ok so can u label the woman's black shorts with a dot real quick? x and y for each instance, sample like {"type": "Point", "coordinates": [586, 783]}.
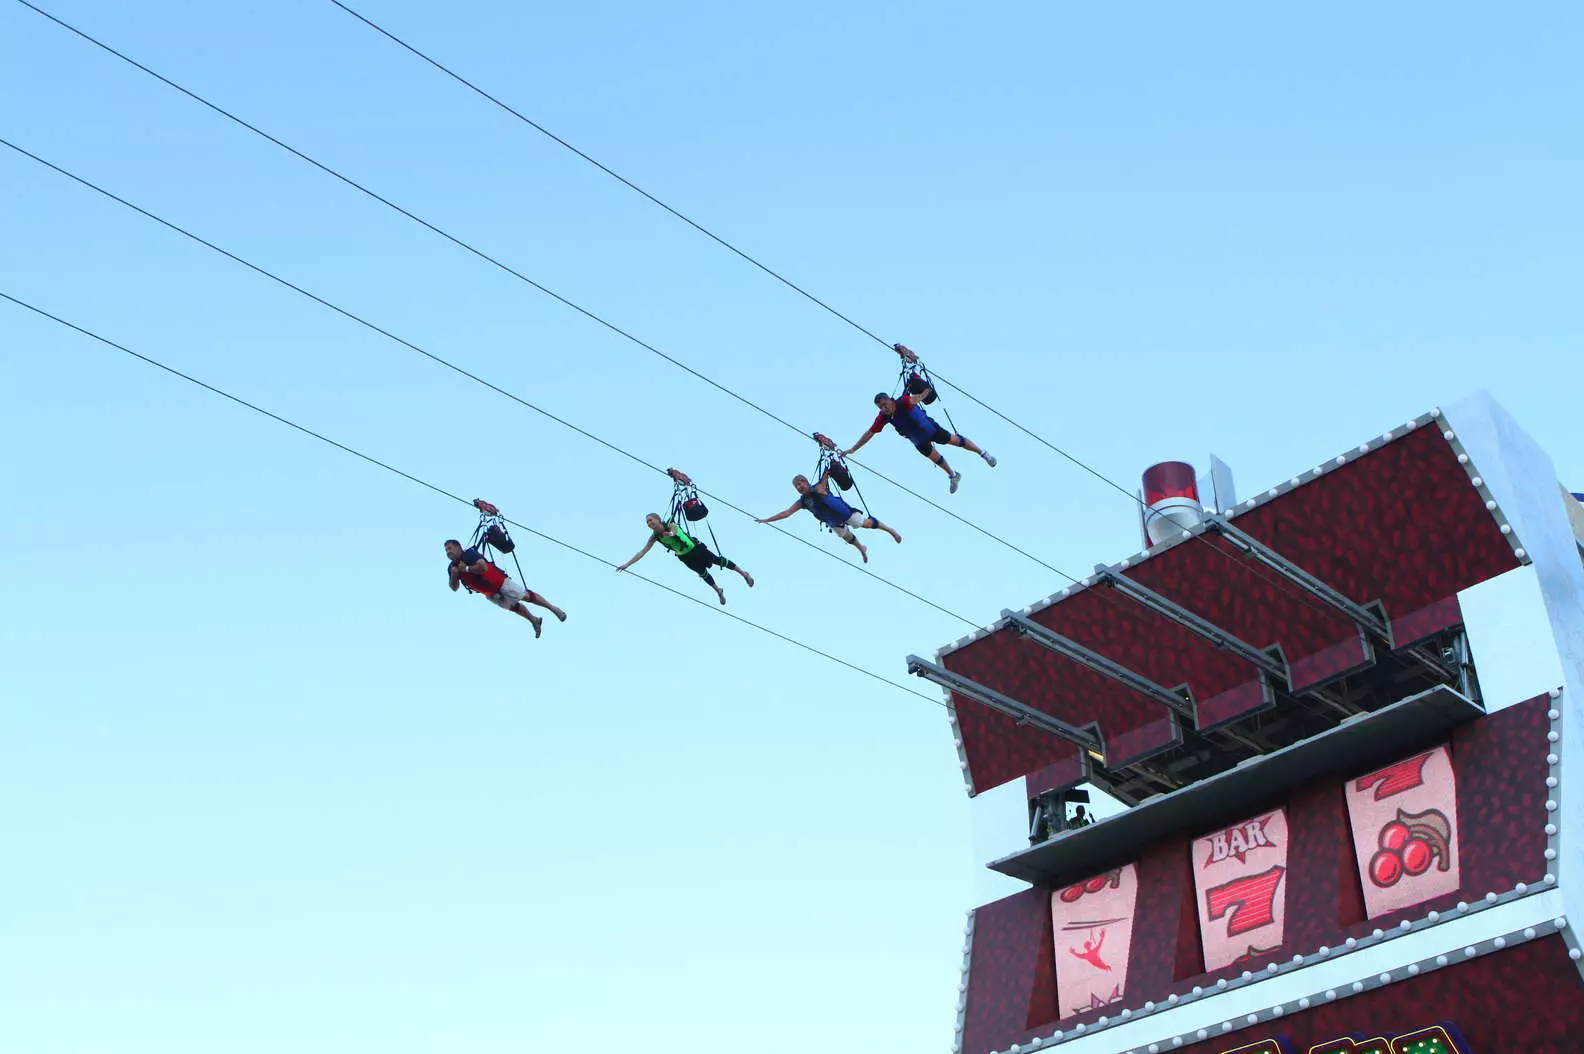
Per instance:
{"type": "Point", "coordinates": [700, 559]}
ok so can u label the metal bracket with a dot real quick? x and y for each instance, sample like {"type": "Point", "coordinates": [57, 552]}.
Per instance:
{"type": "Point", "coordinates": [1202, 627]}
{"type": "Point", "coordinates": [1005, 704]}
{"type": "Point", "coordinates": [1024, 627]}
{"type": "Point", "coordinates": [1364, 618]}
{"type": "Point", "coordinates": [1218, 637]}
{"type": "Point", "coordinates": [1334, 599]}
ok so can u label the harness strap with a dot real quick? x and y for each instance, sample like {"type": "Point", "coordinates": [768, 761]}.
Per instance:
{"type": "Point", "coordinates": [917, 366]}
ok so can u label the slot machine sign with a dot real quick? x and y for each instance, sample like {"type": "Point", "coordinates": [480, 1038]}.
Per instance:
{"type": "Point", "coordinates": [1239, 875]}
{"type": "Point", "coordinates": [1405, 831]}
{"type": "Point", "coordinates": [1093, 925]}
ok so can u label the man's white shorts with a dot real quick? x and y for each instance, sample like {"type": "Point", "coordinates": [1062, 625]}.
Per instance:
{"type": "Point", "coordinates": [508, 595]}
{"type": "Point", "coordinates": [856, 519]}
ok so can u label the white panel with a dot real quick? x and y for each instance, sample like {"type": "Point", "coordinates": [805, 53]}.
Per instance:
{"type": "Point", "coordinates": [1523, 483]}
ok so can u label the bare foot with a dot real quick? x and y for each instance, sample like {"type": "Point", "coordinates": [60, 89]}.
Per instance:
{"type": "Point", "coordinates": [748, 578]}
{"type": "Point", "coordinates": [722, 594]}
{"type": "Point", "coordinates": [538, 624]}
{"type": "Point", "coordinates": [863, 553]}
{"type": "Point", "coordinates": [894, 534]}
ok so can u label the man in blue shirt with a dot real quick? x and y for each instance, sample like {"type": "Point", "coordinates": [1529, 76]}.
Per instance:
{"type": "Point", "coordinates": [832, 511]}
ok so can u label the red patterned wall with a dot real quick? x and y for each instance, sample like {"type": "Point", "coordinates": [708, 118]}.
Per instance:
{"type": "Point", "coordinates": [1501, 793]}
{"type": "Point", "coordinates": [1401, 525]}
{"type": "Point", "coordinates": [1523, 999]}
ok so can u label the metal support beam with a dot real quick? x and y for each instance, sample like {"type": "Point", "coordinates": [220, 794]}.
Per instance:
{"type": "Point", "coordinates": [1220, 638]}
{"type": "Point", "coordinates": [1022, 713]}
{"type": "Point", "coordinates": [1361, 616]}
{"type": "Point", "coordinates": [1317, 587]}
{"type": "Point", "coordinates": [1215, 635]}
{"type": "Point", "coordinates": [1024, 627]}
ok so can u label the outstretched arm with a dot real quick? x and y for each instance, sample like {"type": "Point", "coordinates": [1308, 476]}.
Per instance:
{"type": "Point", "coordinates": [647, 546]}
{"type": "Point", "coordinates": [783, 514]}
{"type": "Point", "coordinates": [859, 445]}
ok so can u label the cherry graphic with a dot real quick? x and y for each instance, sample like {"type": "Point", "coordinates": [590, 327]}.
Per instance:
{"type": "Point", "coordinates": [1394, 836]}
{"type": "Point", "coordinates": [1386, 867]}
{"type": "Point", "coordinates": [1416, 856]}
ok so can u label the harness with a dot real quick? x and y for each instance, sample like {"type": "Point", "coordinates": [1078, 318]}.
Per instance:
{"type": "Point", "coordinates": [834, 467]}
{"type": "Point", "coordinates": [915, 379]}
{"type": "Point", "coordinates": [686, 507]}
{"type": "Point", "coordinates": [490, 534]}
{"type": "Point", "coordinates": [826, 509]}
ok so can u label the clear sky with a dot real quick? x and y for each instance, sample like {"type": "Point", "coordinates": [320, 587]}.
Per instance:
{"type": "Point", "coordinates": [266, 785]}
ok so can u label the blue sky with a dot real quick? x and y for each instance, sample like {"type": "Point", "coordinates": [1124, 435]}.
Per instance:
{"type": "Point", "coordinates": [268, 785]}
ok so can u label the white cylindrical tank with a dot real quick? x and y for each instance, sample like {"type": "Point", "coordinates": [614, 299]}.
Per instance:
{"type": "Point", "coordinates": [1171, 500]}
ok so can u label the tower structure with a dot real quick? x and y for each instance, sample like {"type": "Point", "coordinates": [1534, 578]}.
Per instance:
{"type": "Point", "coordinates": [1334, 839]}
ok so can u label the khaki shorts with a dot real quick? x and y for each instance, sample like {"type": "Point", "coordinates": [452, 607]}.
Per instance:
{"type": "Point", "coordinates": [508, 596]}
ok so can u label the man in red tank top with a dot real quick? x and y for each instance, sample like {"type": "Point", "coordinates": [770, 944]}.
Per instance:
{"type": "Point", "coordinates": [470, 569]}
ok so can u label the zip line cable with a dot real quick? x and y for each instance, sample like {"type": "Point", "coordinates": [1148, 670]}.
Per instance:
{"type": "Point", "coordinates": [524, 278]}
{"type": "Point", "coordinates": [536, 126]}
{"type": "Point", "coordinates": [454, 497]}
{"type": "Point", "coordinates": [581, 310]}
{"type": "Point", "coordinates": [1276, 583]}
{"type": "Point", "coordinates": [486, 383]}
{"type": "Point", "coordinates": [374, 327]}
{"type": "Point", "coordinates": [463, 372]}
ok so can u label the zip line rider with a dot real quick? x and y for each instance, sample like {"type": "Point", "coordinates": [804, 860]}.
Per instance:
{"type": "Point", "coordinates": [907, 416]}
{"type": "Point", "coordinates": [469, 568]}
{"type": "Point", "coordinates": [694, 554]}
{"type": "Point", "coordinates": [832, 511]}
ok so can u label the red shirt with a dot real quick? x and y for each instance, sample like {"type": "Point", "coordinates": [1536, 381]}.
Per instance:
{"type": "Point", "coordinates": [489, 582]}
{"type": "Point", "coordinates": [907, 402]}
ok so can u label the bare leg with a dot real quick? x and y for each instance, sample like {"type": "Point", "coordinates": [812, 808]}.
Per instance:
{"type": "Point", "coordinates": [746, 577]}
{"type": "Point", "coordinates": [848, 537]}
{"type": "Point", "coordinates": [875, 525]}
{"type": "Point", "coordinates": [969, 444]}
{"type": "Point", "coordinates": [535, 598]}
{"type": "Point", "coordinates": [538, 623]}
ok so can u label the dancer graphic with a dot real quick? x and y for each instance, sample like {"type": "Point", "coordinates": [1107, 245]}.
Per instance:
{"type": "Point", "coordinates": [1091, 952]}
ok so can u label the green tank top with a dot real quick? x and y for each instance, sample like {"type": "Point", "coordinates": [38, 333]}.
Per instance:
{"type": "Point", "coordinates": [680, 543]}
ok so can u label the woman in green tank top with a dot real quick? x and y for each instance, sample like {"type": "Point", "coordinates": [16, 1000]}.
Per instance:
{"type": "Point", "coordinates": [692, 552]}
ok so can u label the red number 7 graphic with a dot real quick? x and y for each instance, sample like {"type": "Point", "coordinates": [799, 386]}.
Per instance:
{"type": "Point", "coordinates": [1395, 779]}
{"type": "Point", "coordinates": [1252, 900]}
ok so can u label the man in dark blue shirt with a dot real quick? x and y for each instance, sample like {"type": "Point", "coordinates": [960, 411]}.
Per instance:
{"type": "Point", "coordinates": [832, 511]}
